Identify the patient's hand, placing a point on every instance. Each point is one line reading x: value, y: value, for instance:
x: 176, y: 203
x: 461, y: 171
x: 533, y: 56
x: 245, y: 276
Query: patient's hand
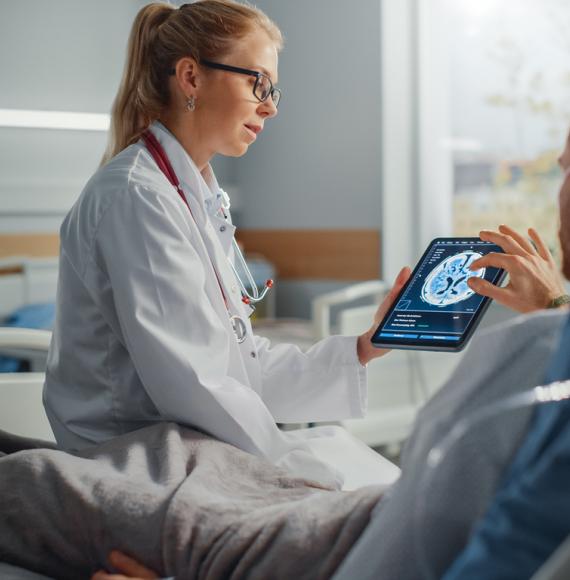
x: 130, y: 569
x: 367, y: 352
x: 534, y: 278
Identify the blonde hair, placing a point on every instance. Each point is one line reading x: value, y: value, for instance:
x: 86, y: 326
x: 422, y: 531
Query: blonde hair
x: 161, y: 35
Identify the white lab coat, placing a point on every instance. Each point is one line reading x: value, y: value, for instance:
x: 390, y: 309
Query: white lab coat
x: 143, y: 334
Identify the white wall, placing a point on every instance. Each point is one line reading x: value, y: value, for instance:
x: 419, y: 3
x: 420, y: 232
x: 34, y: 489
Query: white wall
x: 63, y: 55
x: 318, y: 163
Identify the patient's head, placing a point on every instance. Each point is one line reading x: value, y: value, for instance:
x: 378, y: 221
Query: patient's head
x: 564, y: 161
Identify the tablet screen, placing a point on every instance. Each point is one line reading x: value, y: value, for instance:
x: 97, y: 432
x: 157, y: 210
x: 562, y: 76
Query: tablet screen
x: 436, y: 309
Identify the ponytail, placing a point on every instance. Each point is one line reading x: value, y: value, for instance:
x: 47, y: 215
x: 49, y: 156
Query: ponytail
x: 161, y: 35
x: 140, y: 98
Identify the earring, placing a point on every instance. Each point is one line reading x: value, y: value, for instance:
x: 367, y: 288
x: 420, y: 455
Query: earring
x: 190, y: 103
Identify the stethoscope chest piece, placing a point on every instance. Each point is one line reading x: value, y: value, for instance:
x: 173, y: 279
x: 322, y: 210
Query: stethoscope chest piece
x: 239, y: 328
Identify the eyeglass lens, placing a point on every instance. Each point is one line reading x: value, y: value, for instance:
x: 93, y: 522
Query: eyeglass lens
x: 264, y: 88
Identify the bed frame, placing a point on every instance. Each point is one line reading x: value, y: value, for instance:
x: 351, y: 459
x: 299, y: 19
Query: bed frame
x: 25, y: 280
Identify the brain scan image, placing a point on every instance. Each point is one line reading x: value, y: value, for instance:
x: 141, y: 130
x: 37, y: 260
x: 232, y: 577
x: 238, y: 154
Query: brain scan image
x: 446, y: 284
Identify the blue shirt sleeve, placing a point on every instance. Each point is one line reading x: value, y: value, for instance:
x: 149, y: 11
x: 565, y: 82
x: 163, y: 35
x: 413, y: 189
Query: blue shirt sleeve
x: 528, y: 518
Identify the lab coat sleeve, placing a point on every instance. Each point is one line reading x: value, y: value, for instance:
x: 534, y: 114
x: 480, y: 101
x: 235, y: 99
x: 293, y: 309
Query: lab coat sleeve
x: 325, y: 383
x: 177, y: 341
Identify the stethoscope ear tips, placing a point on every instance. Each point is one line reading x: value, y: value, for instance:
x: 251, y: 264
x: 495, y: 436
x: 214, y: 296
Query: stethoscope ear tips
x: 269, y: 283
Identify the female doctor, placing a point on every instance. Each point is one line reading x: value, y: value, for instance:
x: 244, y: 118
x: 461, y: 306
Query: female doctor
x: 152, y: 324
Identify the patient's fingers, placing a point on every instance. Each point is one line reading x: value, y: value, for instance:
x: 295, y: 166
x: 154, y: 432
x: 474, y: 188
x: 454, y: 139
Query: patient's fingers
x: 541, y: 247
x: 130, y: 566
x: 101, y: 575
x: 508, y: 243
x: 504, y: 296
x: 495, y: 260
x: 519, y: 238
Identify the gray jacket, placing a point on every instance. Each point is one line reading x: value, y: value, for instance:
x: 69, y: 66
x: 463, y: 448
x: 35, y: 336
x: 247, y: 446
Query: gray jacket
x: 423, y: 520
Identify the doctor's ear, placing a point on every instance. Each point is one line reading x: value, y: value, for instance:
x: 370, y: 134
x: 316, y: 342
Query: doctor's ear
x: 187, y: 73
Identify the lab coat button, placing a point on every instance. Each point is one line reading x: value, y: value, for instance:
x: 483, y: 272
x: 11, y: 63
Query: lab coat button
x: 253, y: 354
x: 222, y: 228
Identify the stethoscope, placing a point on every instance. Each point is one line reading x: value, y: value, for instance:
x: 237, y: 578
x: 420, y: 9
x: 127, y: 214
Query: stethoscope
x: 250, y: 299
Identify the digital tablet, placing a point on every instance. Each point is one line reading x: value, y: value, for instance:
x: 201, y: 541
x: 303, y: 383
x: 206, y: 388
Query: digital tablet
x: 436, y: 309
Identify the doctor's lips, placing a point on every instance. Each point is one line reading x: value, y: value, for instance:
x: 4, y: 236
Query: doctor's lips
x: 255, y: 129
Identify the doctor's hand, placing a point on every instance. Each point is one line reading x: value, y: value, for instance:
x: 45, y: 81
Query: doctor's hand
x: 366, y: 352
x: 128, y: 568
x: 534, y: 277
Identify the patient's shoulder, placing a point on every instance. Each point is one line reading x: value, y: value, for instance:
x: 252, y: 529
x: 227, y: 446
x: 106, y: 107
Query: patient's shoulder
x: 501, y: 360
x: 524, y: 328
x: 534, y: 335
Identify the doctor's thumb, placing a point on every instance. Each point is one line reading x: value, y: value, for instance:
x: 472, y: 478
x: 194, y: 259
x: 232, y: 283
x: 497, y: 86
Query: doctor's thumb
x: 403, y: 276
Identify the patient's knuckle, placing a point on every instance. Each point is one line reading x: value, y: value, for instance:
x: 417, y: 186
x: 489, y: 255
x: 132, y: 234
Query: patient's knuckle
x: 519, y: 261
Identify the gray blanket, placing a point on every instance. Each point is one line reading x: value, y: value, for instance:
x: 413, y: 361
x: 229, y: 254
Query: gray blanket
x: 182, y: 503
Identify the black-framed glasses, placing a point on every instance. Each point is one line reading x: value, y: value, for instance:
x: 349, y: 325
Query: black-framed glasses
x: 263, y: 87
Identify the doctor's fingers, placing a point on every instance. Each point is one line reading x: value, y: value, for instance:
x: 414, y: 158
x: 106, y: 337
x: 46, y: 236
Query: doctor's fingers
x: 510, y: 241
x: 399, y: 282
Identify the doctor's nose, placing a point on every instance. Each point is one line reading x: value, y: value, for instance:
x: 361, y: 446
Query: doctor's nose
x: 267, y: 109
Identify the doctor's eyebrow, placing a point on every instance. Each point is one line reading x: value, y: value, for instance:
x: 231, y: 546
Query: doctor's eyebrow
x: 263, y: 70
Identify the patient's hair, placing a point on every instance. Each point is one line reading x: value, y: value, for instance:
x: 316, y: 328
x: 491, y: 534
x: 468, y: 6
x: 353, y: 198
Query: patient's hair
x: 163, y: 34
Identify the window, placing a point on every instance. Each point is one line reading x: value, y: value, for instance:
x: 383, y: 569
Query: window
x: 509, y: 107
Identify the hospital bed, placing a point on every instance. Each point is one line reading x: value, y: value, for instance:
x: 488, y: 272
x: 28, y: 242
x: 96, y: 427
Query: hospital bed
x: 27, y: 297
x: 21, y: 341
x: 21, y: 410
x: 392, y: 408
x: 25, y: 280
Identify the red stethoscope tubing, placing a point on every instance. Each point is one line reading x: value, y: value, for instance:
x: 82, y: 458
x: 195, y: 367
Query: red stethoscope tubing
x: 161, y: 159
x: 159, y: 155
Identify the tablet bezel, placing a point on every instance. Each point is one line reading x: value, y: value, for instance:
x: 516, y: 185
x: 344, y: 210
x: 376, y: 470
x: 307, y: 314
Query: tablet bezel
x: 434, y: 345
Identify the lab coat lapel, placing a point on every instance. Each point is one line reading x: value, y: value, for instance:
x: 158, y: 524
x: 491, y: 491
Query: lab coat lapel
x: 195, y: 188
x: 217, y: 234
